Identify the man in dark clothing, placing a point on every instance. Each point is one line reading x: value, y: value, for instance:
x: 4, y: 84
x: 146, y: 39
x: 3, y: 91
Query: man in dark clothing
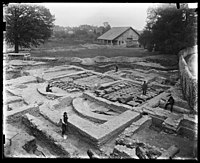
x: 144, y: 88
x: 116, y: 68
x: 65, y: 118
x: 48, y: 88
x: 170, y: 102
x: 64, y: 129
x: 65, y: 124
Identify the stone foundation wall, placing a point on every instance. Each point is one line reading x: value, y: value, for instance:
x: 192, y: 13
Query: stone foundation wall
x: 188, y: 82
x: 119, y: 108
x: 15, y: 115
x: 46, y: 133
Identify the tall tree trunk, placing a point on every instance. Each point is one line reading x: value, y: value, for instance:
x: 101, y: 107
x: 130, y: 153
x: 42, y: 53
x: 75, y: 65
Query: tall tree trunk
x: 16, y: 33
x: 16, y: 45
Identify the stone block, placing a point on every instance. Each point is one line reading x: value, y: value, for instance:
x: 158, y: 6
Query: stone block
x: 141, y: 153
x: 156, y: 121
x: 172, y: 123
x: 143, y: 122
x: 170, y: 153
x: 15, y: 115
x: 22, y: 80
x: 187, y: 132
x: 138, y: 125
x: 124, y: 152
x: 30, y: 144
x: 12, y: 99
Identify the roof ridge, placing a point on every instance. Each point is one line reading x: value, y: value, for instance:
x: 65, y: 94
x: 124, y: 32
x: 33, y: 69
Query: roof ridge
x: 122, y: 27
x: 115, y: 32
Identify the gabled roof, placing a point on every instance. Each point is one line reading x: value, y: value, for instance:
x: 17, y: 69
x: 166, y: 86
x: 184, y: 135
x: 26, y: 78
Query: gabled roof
x: 114, y: 32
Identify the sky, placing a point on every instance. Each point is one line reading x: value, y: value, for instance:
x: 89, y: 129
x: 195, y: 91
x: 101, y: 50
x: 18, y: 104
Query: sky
x: 116, y: 14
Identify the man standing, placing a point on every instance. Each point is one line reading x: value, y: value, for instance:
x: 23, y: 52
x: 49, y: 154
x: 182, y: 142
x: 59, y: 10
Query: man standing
x: 65, y: 118
x: 170, y: 102
x: 65, y: 125
x: 64, y: 128
x: 116, y: 68
x: 144, y: 88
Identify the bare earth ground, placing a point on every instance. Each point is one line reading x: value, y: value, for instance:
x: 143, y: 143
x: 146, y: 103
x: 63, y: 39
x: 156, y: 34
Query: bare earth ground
x: 87, y: 51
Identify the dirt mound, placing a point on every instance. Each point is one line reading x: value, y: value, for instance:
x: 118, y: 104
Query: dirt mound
x: 101, y: 59
x: 88, y: 61
x: 76, y: 59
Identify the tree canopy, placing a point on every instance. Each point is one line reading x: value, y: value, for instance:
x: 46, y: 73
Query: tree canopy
x: 169, y: 29
x: 85, y: 33
x: 27, y: 25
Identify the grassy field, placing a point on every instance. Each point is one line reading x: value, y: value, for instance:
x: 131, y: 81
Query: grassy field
x: 85, y: 53
x: 62, y: 49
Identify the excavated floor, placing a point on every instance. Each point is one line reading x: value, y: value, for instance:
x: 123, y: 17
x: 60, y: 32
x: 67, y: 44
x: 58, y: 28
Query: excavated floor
x: 119, y: 90
x: 164, y: 140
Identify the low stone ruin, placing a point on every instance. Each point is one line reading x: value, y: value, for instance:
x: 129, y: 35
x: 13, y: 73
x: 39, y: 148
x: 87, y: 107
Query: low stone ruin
x: 107, y: 112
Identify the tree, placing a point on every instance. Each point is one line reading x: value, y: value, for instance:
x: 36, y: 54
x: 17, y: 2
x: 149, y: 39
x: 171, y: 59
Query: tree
x: 171, y: 29
x: 106, y: 27
x: 27, y: 25
x: 145, y: 39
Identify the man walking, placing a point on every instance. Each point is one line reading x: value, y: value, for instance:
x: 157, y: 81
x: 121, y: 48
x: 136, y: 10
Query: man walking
x: 144, y: 88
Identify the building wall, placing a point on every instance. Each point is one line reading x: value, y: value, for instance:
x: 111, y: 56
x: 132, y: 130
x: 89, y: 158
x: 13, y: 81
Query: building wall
x: 188, y: 81
x: 129, y: 33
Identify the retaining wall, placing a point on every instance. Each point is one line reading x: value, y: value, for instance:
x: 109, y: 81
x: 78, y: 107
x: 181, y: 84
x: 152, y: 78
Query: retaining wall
x: 15, y: 115
x: 188, y: 81
x: 119, y: 108
x: 45, y: 133
x: 99, y: 135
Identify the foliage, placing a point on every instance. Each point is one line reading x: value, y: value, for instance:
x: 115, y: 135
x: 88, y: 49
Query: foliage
x: 27, y: 25
x: 145, y: 39
x: 169, y: 29
x: 86, y: 33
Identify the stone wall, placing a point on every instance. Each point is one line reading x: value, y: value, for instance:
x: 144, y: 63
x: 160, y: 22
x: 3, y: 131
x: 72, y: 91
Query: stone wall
x: 117, y: 107
x: 15, y: 115
x: 46, y: 133
x: 188, y: 81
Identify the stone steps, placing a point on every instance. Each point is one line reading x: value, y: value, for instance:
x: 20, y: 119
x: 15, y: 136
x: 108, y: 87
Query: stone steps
x: 172, y: 122
x: 44, y: 131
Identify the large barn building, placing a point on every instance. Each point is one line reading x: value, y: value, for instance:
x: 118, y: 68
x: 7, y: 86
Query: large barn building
x: 125, y: 36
